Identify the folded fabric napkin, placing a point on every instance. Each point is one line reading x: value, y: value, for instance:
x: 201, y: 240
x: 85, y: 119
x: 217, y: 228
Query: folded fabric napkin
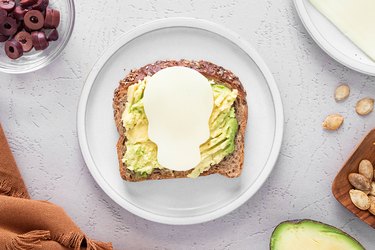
x: 31, y: 224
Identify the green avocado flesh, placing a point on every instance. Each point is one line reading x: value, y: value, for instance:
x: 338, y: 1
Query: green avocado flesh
x: 311, y: 235
x: 141, y: 152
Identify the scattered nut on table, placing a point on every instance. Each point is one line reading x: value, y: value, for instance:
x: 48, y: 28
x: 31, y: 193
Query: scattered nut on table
x: 333, y: 122
x: 342, y: 92
x: 364, y: 106
x: 366, y: 169
x: 359, y: 199
x: 372, y: 205
x: 359, y: 182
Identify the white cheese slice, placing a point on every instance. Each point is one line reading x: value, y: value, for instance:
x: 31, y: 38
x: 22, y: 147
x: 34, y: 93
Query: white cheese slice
x: 355, y: 18
x: 178, y: 103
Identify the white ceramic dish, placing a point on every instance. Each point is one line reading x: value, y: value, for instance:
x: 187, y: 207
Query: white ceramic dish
x: 180, y: 201
x: 331, y: 40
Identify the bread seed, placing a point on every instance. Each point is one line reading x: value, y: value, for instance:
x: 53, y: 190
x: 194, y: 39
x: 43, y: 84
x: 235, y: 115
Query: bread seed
x: 372, y: 205
x: 359, y: 199
x: 342, y: 92
x: 364, y: 106
x: 333, y: 122
x: 366, y: 169
x: 359, y: 182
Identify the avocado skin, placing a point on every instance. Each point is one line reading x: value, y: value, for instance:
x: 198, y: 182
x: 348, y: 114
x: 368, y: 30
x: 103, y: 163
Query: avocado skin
x: 275, y: 232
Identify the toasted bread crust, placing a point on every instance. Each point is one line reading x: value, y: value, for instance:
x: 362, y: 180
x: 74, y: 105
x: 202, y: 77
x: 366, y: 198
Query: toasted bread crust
x: 231, y: 165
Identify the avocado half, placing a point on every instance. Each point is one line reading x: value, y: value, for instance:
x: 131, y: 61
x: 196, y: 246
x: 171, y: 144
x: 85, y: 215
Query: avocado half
x: 311, y: 235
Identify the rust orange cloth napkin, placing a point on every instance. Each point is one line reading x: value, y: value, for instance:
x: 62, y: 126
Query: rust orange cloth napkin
x: 31, y: 224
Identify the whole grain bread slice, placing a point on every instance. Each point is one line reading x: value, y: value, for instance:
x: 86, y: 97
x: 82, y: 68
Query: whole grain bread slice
x: 231, y: 165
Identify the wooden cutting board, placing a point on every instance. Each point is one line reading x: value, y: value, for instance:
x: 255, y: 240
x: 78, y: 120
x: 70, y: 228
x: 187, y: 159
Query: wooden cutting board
x: 341, y: 185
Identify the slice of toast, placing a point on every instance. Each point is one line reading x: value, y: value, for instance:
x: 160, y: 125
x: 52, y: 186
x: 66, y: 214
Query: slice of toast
x: 231, y: 165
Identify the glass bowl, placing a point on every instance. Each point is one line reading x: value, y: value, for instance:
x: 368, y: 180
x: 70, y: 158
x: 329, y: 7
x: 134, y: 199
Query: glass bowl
x: 35, y: 60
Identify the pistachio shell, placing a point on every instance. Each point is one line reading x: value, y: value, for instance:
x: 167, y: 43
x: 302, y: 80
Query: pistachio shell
x: 359, y: 182
x: 366, y: 169
x: 359, y: 199
x: 364, y: 106
x: 372, y: 192
x: 342, y: 92
x: 333, y: 122
x: 372, y: 205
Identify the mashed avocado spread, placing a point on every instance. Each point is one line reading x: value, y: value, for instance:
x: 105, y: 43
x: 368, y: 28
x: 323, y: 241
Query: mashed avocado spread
x: 141, y: 152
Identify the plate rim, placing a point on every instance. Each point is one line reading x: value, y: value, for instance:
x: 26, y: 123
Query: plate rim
x: 326, y: 46
x: 208, y: 26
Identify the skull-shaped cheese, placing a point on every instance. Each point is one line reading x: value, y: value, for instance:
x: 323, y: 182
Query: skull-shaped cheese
x: 178, y: 103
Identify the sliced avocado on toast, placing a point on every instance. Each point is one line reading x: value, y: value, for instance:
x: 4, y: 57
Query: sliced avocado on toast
x: 311, y: 235
x: 141, y: 153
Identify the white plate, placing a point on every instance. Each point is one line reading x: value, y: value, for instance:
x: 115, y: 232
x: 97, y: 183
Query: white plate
x: 331, y: 40
x: 180, y: 201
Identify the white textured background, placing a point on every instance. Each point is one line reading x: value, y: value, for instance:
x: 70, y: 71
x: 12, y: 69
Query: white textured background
x: 38, y: 112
